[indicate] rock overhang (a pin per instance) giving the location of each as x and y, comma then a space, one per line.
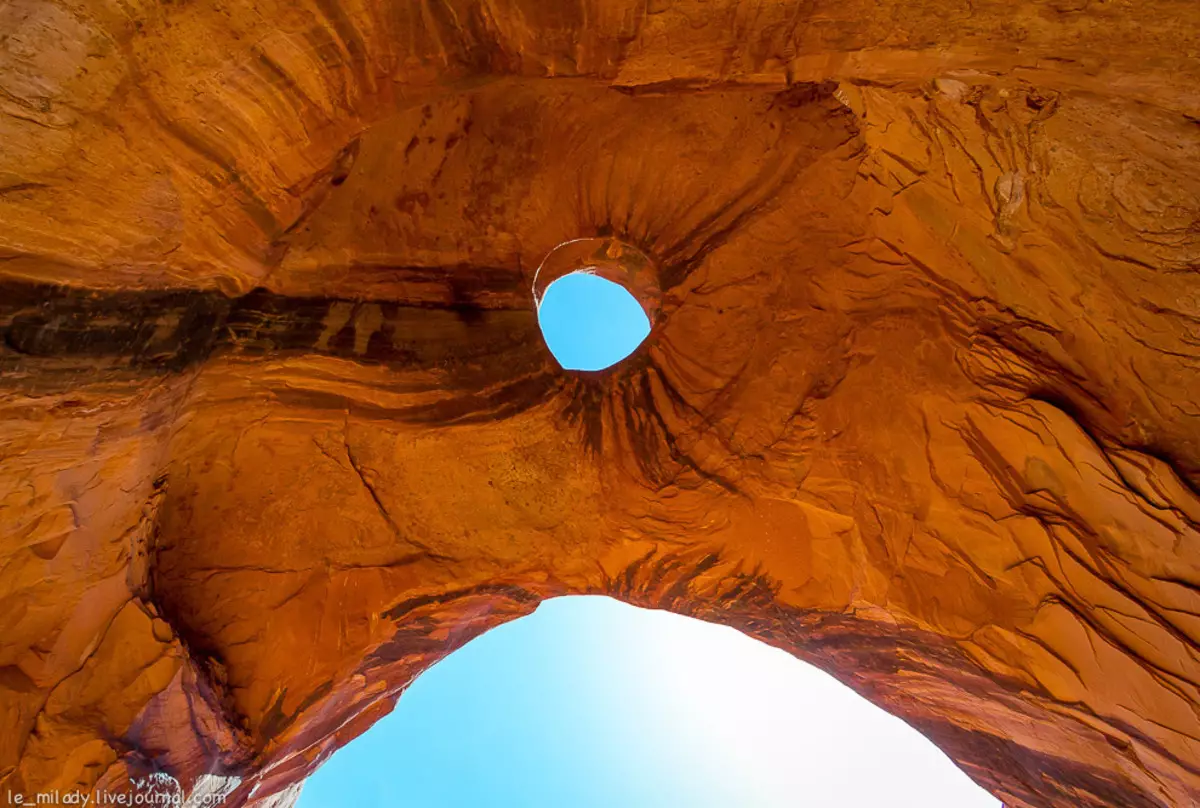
280, 430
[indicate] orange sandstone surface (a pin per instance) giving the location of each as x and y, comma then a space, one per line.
921, 404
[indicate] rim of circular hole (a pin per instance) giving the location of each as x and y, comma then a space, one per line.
611, 259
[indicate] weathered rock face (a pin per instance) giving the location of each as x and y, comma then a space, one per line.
921, 404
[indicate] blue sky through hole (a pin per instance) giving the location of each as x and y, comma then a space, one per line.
591, 703
590, 323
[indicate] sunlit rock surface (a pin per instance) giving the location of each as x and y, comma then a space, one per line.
921, 404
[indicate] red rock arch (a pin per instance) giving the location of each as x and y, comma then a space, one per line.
278, 429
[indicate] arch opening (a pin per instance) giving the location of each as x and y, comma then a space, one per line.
590, 323
593, 702
597, 300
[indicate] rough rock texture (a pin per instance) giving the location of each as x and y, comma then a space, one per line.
921, 404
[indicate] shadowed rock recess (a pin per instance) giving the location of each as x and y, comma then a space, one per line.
921, 404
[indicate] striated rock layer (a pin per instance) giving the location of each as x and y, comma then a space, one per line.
921, 404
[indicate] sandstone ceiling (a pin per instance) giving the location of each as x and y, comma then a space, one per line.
921, 404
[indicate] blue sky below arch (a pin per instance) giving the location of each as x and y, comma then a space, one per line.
592, 703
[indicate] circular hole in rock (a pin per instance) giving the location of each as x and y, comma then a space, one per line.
590, 323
